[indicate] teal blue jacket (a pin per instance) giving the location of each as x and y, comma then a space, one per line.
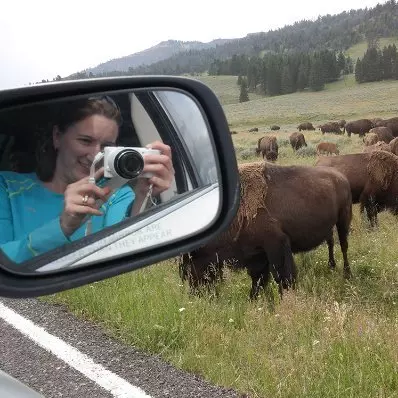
30, 216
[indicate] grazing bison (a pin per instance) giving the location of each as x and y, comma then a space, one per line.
370, 139
381, 189
394, 146
356, 167
305, 126
297, 140
361, 127
391, 123
275, 127
342, 124
327, 147
331, 127
283, 210
383, 134
233, 132
379, 146
254, 129
268, 147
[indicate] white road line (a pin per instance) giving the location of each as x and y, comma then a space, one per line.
117, 386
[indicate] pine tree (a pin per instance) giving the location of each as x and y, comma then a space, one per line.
244, 94
359, 71
341, 62
239, 79
302, 78
316, 80
286, 80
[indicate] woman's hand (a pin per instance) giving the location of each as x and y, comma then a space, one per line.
80, 200
161, 166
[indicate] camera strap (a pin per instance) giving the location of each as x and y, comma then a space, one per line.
145, 202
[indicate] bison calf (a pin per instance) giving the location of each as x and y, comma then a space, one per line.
327, 147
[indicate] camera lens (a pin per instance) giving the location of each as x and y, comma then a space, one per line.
129, 163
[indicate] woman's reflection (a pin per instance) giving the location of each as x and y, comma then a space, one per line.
45, 209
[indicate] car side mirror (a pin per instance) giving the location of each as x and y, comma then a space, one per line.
104, 176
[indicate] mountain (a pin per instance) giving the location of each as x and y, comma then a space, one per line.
328, 32
157, 53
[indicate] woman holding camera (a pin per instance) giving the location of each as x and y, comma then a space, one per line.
47, 208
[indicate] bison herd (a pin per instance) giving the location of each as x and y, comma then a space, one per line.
291, 209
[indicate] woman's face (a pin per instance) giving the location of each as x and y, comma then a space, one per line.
79, 144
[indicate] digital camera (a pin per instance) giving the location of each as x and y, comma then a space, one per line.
122, 164
126, 162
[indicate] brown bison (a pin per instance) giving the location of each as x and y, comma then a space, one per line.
275, 127
331, 127
253, 130
342, 124
394, 146
305, 126
370, 139
283, 210
361, 127
268, 147
327, 147
383, 134
297, 140
381, 189
379, 146
357, 168
391, 123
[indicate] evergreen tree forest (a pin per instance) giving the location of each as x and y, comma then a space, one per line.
377, 64
276, 74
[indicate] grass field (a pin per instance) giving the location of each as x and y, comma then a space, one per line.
329, 338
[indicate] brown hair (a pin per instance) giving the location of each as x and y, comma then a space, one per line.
69, 114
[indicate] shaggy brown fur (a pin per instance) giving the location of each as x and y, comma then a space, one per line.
394, 146
379, 146
268, 147
293, 209
327, 147
370, 139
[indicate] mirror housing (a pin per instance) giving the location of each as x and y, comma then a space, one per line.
17, 285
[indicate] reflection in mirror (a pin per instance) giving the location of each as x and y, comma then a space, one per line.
74, 168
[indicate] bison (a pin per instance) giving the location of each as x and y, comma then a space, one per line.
327, 147
383, 134
361, 127
331, 127
391, 123
342, 124
357, 168
283, 210
381, 189
253, 130
297, 140
268, 147
394, 146
275, 127
305, 126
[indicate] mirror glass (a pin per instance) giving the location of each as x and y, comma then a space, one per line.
92, 178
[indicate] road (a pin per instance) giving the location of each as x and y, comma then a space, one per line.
136, 373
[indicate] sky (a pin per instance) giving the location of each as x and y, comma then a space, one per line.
40, 39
